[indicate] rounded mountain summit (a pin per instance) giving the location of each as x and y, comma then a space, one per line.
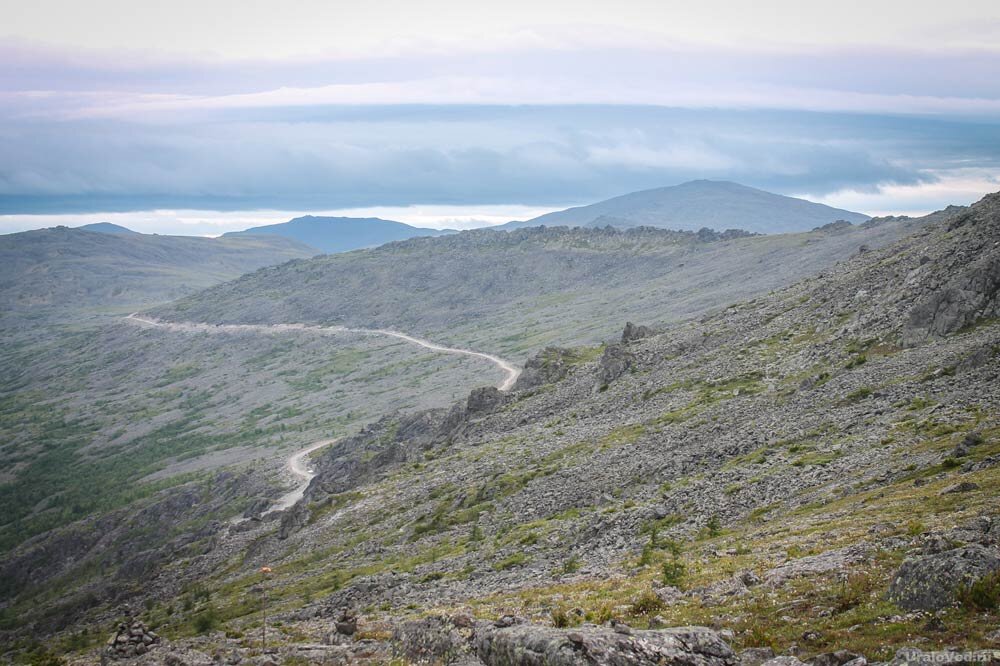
700, 203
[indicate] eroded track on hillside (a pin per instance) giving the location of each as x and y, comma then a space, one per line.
297, 464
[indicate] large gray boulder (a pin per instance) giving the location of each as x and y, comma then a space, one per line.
432, 640
931, 582
614, 363
636, 332
484, 399
530, 645
969, 297
547, 366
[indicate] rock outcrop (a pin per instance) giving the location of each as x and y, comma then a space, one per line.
484, 399
531, 645
931, 582
972, 291
549, 365
614, 363
636, 332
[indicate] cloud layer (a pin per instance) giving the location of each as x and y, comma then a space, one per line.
320, 158
471, 107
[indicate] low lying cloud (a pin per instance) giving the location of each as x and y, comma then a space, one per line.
323, 158
532, 123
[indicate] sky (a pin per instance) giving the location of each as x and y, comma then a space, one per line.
209, 116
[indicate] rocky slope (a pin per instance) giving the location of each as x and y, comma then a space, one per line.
76, 270
812, 473
516, 292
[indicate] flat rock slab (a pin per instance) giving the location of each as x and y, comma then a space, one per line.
930, 582
529, 645
831, 560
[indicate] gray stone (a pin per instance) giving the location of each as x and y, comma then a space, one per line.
484, 399
430, 640
961, 487
548, 366
930, 582
783, 661
531, 645
837, 658
755, 656
909, 656
615, 362
633, 332
969, 297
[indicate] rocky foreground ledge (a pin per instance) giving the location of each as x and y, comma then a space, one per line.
464, 641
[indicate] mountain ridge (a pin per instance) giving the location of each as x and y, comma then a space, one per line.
340, 234
107, 228
569, 284
700, 203
76, 269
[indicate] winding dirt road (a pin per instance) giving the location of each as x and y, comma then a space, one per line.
510, 371
297, 464
300, 469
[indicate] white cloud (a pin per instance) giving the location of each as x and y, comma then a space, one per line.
959, 187
215, 223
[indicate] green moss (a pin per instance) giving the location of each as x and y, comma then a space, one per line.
515, 560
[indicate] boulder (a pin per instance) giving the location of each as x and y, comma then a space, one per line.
831, 560
293, 519
346, 622
484, 399
837, 658
431, 640
532, 645
970, 296
755, 656
930, 582
961, 487
547, 366
634, 332
783, 660
614, 363
257, 507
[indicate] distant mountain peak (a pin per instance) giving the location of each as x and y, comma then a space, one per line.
107, 228
341, 234
692, 205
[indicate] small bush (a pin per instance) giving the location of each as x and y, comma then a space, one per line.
860, 394
713, 527
673, 572
647, 603
984, 594
43, 657
673, 547
572, 565
973, 439
560, 618
856, 362
206, 621
515, 560
854, 591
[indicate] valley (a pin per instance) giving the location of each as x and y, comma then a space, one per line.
763, 434
499, 334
